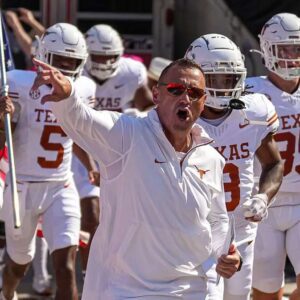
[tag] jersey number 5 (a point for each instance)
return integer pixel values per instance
(45, 138)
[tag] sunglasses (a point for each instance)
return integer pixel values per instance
(177, 89)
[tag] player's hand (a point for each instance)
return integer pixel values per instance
(11, 19)
(94, 177)
(26, 15)
(229, 263)
(6, 106)
(256, 208)
(48, 75)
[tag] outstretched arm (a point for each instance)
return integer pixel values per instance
(100, 133)
(27, 17)
(22, 37)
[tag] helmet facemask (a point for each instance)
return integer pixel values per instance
(105, 49)
(223, 67)
(63, 46)
(282, 58)
(280, 45)
(105, 69)
(73, 72)
(223, 85)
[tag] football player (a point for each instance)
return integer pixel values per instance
(242, 126)
(279, 235)
(43, 155)
(121, 82)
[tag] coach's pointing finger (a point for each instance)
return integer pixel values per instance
(61, 86)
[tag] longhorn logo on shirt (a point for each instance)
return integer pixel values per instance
(201, 172)
(35, 94)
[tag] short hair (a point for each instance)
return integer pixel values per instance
(182, 62)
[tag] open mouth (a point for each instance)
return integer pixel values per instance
(183, 114)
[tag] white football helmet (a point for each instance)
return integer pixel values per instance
(223, 65)
(63, 40)
(280, 33)
(103, 40)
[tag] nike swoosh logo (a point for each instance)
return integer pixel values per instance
(243, 125)
(159, 162)
(119, 86)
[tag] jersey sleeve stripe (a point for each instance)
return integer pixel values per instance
(273, 119)
(273, 116)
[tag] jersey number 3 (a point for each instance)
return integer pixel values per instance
(45, 143)
(233, 186)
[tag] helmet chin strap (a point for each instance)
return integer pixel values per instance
(256, 51)
(238, 104)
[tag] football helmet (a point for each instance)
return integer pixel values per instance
(223, 65)
(102, 40)
(280, 45)
(63, 40)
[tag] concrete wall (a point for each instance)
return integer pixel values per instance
(195, 18)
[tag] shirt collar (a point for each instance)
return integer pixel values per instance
(199, 135)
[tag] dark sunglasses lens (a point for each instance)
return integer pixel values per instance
(195, 94)
(176, 90)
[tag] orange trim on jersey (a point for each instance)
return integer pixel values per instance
(272, 120)
(274, 116)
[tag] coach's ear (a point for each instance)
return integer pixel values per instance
(155, 94)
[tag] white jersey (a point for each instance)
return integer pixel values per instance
(238, 142)
(117, 92)
(42, 150)
(287, 138)
(174, 212)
